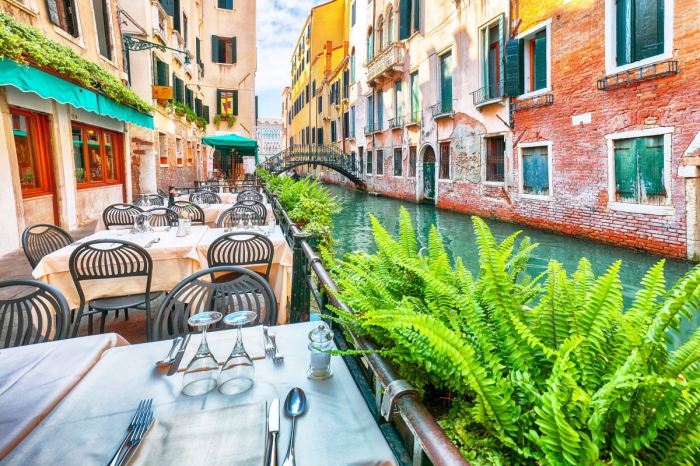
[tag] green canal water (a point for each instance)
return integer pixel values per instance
(353, 232)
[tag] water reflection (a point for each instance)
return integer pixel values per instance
(354, 232)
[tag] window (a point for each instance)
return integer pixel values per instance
(380, 162)
(205, 113)
(398, 100)
(225, 4)
(96, 156)
(444, 161)
(529, 61)
(409, 20)
(415, 103)
(398, 161)
(161, 72)
(493, 60)
(380, 110)
(62, 14)
(178, 152)
(639, 170)
(30, 132)
(639, 30)
(369, 162)
(353, 14)
(178, 89)
(412, 152)
(446, 83)
(163, 149)
(333, 131)
(189, 98)
(103, 30)
(190, 153)
(370, 113)
(370, 45)
(223, 49)
(495, 158)
(390, 29)
(346, 125)
(227, 102)
(535, 169)
(346, 83)
(381, 39)
(320, 136)
(319, 103)
(185, 30)
(352, 65)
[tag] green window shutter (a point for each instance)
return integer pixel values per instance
(215, 49)
(168, 6)
(485, 55)
(514, 67)
(415, 95)
(648, 28)
(181, 90)
(177, 16)
(198, 49)
(405, 19)
(218, 102)
(446, 81)
(233, 47)
(626, 178)
(163, 72)
(502, 52)
(535, 171)
(416, 15)
(205, 113)
(624, 32)
(189, 98)
(198, 107)
(540, 60)
(235, 102)
(650, 156)
(154, 60)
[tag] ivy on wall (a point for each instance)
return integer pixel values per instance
(25, 44)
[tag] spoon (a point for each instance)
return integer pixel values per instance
(294, 405)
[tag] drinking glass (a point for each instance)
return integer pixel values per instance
(200, 376)
(238, 371)
(240, 223)
(250, 221)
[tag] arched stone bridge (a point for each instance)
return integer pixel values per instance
(326, 156)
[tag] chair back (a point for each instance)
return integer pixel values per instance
(248, 291)
(154, 199)
(42, 239)
(120, 215)
(242, 248)
(162, 193)
(163, 217)
(205, 197)
(231, 217)
(258, 207)
(31, 312)
(196, 212)
(249, 195)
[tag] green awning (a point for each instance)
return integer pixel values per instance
(48, 86)
(232, 144)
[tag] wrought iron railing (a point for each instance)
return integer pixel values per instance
(377, 128)
(414, 118)
(396, 122)
(442, 109)
(390, 59)
(533, 102)
(369, 128)
(640, 73)
(491, 92)
(410, 430)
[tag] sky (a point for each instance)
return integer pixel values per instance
(278, 28)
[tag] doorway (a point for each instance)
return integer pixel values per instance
(429, 173)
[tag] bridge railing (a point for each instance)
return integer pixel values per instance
(410, 430)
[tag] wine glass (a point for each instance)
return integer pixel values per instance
(238, 371)
(250, 221)
(200, 376)
(240, 222)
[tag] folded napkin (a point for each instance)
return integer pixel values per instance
(225, 436)
(221, 343)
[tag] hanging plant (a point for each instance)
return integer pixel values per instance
(231, 119)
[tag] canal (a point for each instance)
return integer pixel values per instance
(353, 232)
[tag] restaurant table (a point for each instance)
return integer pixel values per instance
(34, 379)
(89, 424)
(174, 258)
(226, 198)
(280, 271)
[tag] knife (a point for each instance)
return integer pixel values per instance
(179, 355)
(273, 420)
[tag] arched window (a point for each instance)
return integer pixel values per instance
(352, 65)
(382, 37)
(370, 44)
(390, 30)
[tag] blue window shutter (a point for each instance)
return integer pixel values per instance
(626, 172)
(405, 19)
(513, 67)
(168, 6)
(648, 28)
(446, 81)
(215, 49)
(650, 156)
(229, 4)
(416, 15)
(540, 60)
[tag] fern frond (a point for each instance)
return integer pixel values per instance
(407, 235)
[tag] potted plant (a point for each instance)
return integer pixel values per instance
(231, 119)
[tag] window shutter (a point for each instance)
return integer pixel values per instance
(218, 102)
(198, 107)
(53, 12)
(502, 53)
(181, 85)
(416, 15)
(155, 62)
(446, 81)
(320, 136)
(177, 15)
(189, 98)
(198, 49)
(648, 28)
(235, 102)
(626, 171)
(540, 60)
(650, 156)
(543, 172)
(163, 72)
(205, 113)
(168, 6)
(514, 67)
(215, 49)
(233, 47)
(624, 32)
(405, 19)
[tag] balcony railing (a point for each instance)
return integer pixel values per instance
(378, 127)
(488, 93)
(351, 133)
(641, 73)
(386, 63)
(160, 23)
(414, 118)
(442, 109)
(396, 122)
(369, 128)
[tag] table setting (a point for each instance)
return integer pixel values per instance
(128, 410)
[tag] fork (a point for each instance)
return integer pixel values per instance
(143, 410)
(277, 356)
(269, 347)
(137, 436)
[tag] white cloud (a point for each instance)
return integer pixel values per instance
(279, 24)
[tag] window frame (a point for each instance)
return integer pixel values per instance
(179, 154)
(225, 8)
(109, 39)
(160, 150)
(666, 209)
(43, 156)
(412, 160)
(76, 19)
(399, 151)
(369, 165)
(379, 166)
(484, 48)
(521, 171)
(441, 177)
(611, 66)
(484, 168)
(118, 153)
(189, 156)
(526, 37)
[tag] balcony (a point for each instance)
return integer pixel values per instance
(414, 118)
(396, 122)
(177, 42)
(386, 64)
(489, 95)
(641, 73)
(442, 110)
(368, 129)
(351, 134)
(160, 22)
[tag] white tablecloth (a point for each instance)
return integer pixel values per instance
(89, 424)
(34, 379)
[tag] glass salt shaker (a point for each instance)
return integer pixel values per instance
(321, 340)
(271, 225)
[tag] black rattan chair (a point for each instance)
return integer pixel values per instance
(196, 294)
(230, 217)
(154, 199)
(162, 193)
(249, 195)
(31, 312)
(258, 207)
(120, 215)
(205, 197)
(196, 212)
(111, 259)
(42, 239)
(163, 217)
(242, 249)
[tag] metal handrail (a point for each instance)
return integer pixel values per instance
(428, 436)
(488, 93)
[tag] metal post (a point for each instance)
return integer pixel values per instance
(301, 293)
